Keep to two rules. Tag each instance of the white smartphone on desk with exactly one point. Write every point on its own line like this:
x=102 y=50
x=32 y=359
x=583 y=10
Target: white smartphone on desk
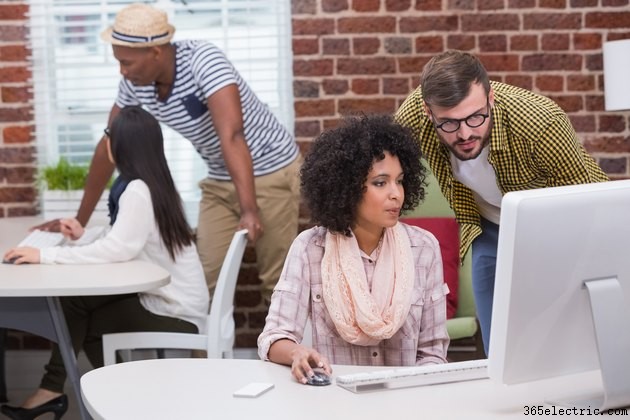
x=253 y=390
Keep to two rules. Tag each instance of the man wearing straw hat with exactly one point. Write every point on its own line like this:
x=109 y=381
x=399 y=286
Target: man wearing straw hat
x=252 y=160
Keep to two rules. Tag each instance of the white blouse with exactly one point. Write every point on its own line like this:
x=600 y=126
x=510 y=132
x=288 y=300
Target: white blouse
x=135 y=235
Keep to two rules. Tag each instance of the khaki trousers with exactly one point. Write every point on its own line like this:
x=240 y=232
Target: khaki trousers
x=278 y=200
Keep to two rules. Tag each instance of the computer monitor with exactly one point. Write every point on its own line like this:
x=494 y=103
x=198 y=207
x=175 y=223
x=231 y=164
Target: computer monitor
x=562 y=289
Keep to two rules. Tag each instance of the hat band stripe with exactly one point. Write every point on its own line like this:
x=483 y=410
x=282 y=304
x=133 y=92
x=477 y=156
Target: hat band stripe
x=137 y=39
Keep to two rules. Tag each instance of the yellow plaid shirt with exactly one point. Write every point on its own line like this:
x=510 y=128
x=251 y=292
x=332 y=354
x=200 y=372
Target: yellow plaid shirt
x=532 y=145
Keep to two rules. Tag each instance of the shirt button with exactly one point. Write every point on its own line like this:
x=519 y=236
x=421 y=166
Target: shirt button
x=318 y=297
x=375 y=354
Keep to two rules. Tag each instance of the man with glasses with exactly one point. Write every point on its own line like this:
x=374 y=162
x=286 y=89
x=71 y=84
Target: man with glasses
x=483 y=139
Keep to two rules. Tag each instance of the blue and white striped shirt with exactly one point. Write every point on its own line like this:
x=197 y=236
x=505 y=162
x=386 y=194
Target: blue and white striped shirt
x=201 y=69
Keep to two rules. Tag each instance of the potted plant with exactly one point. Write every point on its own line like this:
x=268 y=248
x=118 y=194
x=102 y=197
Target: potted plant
x=62 y=190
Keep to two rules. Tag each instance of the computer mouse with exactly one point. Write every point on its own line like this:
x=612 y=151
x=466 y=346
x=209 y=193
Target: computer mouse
x=319 y=378
x=10 y=261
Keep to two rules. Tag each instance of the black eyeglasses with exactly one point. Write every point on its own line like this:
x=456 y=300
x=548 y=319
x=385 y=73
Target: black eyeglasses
x=472 y=121
x=106 y=131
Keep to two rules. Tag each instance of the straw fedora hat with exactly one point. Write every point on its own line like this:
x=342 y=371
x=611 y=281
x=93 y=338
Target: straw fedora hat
x=139 y=25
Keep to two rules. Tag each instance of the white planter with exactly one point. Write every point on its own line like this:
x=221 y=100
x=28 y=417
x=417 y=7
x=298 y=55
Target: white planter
x=62 y=204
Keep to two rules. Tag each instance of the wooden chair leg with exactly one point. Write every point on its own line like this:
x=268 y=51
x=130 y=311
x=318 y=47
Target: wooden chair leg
x=3 y=384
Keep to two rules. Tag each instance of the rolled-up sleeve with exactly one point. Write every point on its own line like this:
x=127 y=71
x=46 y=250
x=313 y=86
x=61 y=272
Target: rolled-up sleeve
x=289 y=307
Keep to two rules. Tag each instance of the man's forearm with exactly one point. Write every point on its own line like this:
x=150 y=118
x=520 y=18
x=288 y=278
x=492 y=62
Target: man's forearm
x=101 y=170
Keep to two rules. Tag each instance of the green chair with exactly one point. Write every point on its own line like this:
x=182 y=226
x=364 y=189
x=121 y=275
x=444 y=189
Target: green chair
x=463 y=328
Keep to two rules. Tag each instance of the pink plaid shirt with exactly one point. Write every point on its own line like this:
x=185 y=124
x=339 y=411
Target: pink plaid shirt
x=298 y=296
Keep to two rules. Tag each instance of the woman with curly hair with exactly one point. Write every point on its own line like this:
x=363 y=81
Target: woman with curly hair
x=372 y=287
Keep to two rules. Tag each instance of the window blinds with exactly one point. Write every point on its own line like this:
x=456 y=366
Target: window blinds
x=75 y=75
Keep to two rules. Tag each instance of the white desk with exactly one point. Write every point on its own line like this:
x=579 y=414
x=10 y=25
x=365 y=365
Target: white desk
x=29 y=294
x=202 y=389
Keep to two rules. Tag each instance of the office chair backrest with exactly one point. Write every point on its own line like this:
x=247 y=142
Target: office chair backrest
x=218 y=337
x=220 y=324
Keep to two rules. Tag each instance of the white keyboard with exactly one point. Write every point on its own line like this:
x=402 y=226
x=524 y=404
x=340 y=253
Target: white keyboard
x=414 y=376
x=42 y=239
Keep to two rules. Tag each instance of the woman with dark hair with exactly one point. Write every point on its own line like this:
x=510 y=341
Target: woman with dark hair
x=147 y=223
x=371 y=287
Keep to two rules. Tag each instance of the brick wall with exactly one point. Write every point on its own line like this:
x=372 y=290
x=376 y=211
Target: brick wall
x=365 y=56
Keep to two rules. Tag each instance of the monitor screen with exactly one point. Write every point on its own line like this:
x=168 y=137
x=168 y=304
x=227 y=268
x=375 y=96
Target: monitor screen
x=563 y=258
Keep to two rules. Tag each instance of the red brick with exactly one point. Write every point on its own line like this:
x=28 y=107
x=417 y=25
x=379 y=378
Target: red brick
x=366 y=25
x=569 y=103
x=17 y=194
x=524 y=43
x=366 y=5
x=22 y=211
x=372 y=105
x=614 y=144
x=521 y=4
x=335 y=86
x=490 y=22
x=307 y=128
x=336 y=46
x=412 y=64
x=13 y=53
x=13 y=11
x=580 y=82
x=12 y=33
x=614 y=166
x=375 y=65
x=519 y=80
x=583 y=3
x=331 y=123
x=397 y=5
x=305 y=89
x=612 y=123
x=313 y=26
x=17 y=134
x=365 y=46
x=555 y=42
x=607 y=20
x=549 y=83
x=396 y=85
x=552 y=21
x=594 y=102
x=320 y=67
x=20 y=175
x=10 y=94
x=365 y=86
x=552 y=4
x=16 y=114
x=304 y=46
x=303 y=7
x=461 y=42
x=583 y=123
x=14 y=74
x=594 y=62
x=17 y=155
x=428 y=24
x=247 y=298
x=428 y=5
x=429 y=44
x=398 y=45
x=590 y=41
x=614 y=3
x=538 y=62
x=492 y=43
x=332 y=6
x=461 y=5
x=312 y=108
x=491 y=4
x=501 y=62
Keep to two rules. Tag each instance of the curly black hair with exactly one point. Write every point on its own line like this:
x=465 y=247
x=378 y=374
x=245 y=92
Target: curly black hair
x=336 y=168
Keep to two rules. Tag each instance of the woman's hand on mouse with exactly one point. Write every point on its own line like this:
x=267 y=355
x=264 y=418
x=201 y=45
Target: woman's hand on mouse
x=23 y=255
x=304 y=359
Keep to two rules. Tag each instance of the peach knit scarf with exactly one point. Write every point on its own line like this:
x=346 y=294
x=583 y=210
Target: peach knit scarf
x=362 y=317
